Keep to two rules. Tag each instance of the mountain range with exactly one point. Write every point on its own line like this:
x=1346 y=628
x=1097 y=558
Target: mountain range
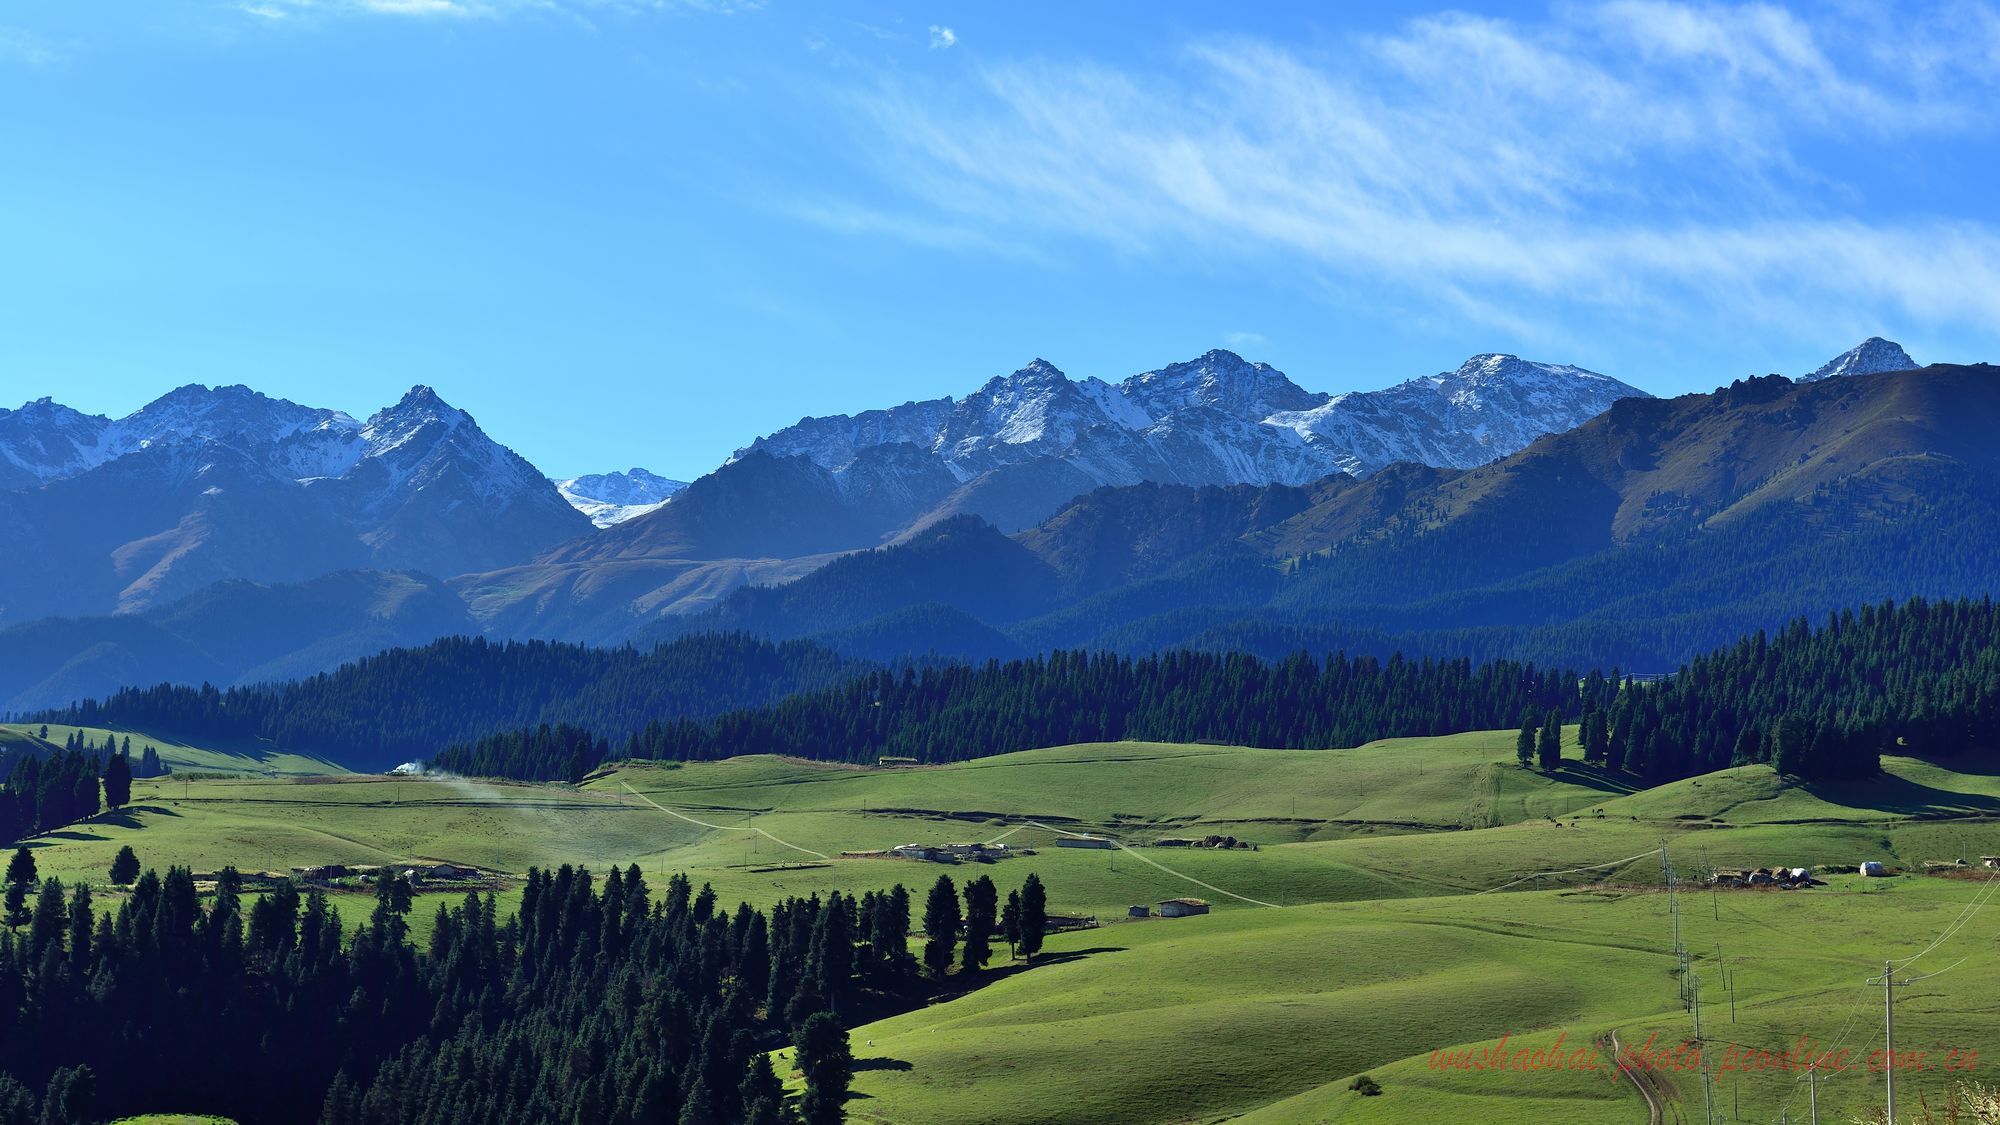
x=221 y=534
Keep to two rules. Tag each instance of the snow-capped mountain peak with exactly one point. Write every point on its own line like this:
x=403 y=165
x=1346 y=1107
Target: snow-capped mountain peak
x=416 y=411
x=609 y=498
x=45 y=440
x=231 y=414
x=1214 y=419
x=1220 y=380
x=1866 y=358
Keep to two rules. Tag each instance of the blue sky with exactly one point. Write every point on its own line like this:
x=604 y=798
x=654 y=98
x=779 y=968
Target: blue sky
x=632 y=232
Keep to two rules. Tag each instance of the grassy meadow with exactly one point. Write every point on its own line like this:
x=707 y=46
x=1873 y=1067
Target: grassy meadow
x=1353 y=937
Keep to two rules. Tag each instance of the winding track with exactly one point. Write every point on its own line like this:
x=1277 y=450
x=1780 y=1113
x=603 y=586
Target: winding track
x=1655 y=1112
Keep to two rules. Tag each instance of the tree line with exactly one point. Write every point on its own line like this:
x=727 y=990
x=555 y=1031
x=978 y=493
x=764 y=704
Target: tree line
x=594 y=1002
x=957 y=712
x=1817 y=702
x=43 y=792
x=403 y=703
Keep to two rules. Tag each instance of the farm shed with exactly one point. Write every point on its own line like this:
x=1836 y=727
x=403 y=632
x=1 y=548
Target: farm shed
x=1082 y=842
x=1139 y=911
x=1874 y=868
x=1182 y=907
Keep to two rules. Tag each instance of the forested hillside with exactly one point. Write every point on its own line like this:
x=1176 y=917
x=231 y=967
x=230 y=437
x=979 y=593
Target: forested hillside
x=405 y=703
x=1817 y=702
x=958 y=712
x=595 y=1003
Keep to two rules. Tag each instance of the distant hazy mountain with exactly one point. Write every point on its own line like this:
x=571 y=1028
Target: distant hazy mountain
x=204 y=485
x=1012 y=453
x=1209 y=502
x=609 y=498
x=1657 y=529
x=227 y=633
x=1218 y=419
x=1866 y=358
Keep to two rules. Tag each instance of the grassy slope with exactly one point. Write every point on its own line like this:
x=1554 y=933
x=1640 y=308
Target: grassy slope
x=255 y=759
x=1280 y=1006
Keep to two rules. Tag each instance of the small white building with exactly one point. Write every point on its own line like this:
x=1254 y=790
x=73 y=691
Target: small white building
x=1182 y=907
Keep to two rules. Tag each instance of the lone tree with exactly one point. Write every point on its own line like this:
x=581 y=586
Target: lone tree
x=982 y=898
x=1524 y=746
x=941 y=919
x=1034 y=916
x=828 y=1064
x=125 y=867
x=1552 y=742
x=20 y=880
x=1010 y=923
x=118 y=781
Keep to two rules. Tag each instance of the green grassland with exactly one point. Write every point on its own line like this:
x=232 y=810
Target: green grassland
x=1351 y=939
x=253 y=758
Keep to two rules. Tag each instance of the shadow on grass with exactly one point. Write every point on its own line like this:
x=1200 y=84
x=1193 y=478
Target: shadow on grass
x=882 y=1062
x=1973 y=764
x=1596 y=777
x=1888 y=793
x=123 y=818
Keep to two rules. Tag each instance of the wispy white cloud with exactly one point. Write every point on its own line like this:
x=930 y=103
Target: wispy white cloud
x=1646 y=157
x=943 y=37
x=1243 y=339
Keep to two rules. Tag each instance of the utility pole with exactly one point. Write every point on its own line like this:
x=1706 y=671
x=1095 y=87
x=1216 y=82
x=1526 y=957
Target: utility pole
x=1812 y=1085
x=1889 y=1032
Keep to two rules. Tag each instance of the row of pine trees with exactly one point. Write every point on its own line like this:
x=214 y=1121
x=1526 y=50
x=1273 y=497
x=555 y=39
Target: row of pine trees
x=594 y=1002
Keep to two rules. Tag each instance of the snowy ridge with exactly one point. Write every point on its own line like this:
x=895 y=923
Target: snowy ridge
x=420 y=441
x=1217 y=419
x=1869 y=357
x=609 y=498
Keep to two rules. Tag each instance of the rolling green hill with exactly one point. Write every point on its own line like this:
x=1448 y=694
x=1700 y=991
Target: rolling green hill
x=249 y=757
x=1352 y=938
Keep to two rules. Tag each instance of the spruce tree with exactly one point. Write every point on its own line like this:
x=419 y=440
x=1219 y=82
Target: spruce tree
x=1524 y=744
x=1551 y=742
x=1034 y=915
x=828 y=1063
x=118 y=782
x=20 y=880
x=981 y=901
x=125 y=866
x=1010 y=923
x=941 y=921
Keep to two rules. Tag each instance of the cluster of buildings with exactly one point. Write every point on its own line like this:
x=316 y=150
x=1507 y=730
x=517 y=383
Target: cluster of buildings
x=951 y=853
x=1787 y=878
x=1203 y=842
x=331 y=874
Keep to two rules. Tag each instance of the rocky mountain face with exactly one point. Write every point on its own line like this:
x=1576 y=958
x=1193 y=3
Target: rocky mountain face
x=204 y=485
x=609 y=498
x=1219 y=419
x=1012 y=453
x=1869 y=357
x=1147 y=512
x=1651 y=532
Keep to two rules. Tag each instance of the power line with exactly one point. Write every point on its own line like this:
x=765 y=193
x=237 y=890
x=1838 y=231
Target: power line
x=1566 y=871
x=721 y=827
